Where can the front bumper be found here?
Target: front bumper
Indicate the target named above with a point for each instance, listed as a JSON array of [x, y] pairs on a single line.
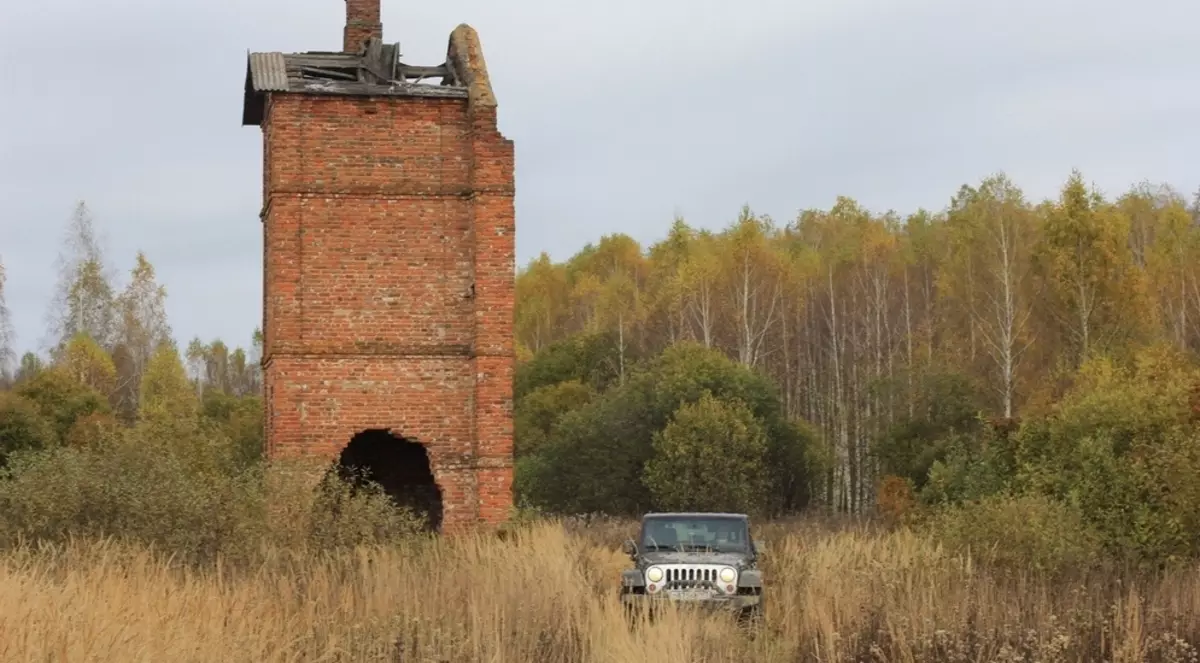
[[735, 602]]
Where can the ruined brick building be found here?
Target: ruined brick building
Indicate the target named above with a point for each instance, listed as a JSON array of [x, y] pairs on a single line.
[[388, 267]]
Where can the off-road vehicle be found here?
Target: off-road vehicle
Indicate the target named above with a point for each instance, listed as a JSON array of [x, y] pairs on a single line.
[[703, 559]]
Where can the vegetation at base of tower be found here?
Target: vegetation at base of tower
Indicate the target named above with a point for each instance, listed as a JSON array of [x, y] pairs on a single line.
[[117, 433]]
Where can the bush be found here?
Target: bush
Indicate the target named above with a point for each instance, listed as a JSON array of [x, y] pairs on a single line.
[[973, 466], [595, 459], [1122, 448], [22, 426], [945, 408], [1027, 533], [190, 494], [61, 399], [537, 414], [710, 457], [896, 498], [98, 428]]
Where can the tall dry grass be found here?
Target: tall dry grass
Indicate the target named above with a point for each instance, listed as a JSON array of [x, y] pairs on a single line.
[[547, 594]]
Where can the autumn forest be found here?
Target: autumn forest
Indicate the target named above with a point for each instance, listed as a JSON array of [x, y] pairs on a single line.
[[845, 361]]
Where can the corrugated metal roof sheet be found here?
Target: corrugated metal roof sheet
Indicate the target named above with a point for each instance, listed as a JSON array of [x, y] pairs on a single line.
[[338, 74], [268, 72]]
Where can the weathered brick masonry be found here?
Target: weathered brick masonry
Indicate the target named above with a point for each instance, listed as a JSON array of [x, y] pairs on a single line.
[[388, 229]]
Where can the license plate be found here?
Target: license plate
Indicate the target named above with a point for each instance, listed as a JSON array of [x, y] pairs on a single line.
[[691, 594]]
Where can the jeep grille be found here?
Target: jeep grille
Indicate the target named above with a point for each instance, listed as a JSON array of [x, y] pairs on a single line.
[[679, 576], [691, 575]]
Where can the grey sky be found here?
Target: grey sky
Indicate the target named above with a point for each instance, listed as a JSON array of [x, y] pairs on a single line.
[[623, 112]]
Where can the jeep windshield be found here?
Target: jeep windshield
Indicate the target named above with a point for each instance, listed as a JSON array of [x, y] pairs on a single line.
[[699, 533]]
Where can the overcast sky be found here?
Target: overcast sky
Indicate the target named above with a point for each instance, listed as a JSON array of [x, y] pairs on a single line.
[[623, 112]]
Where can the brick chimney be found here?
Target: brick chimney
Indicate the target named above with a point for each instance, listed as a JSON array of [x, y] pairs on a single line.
[[362, 23]]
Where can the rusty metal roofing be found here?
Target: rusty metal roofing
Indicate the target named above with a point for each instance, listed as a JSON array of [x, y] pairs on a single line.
[[377, 71]]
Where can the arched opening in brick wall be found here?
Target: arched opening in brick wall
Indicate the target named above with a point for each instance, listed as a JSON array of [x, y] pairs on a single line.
[[400, 466]]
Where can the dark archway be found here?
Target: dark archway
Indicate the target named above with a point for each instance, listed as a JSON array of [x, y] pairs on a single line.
[[400, 467]]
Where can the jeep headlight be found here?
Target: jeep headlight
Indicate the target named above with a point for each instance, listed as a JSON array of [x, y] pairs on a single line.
[[654, 574], [728, 575]]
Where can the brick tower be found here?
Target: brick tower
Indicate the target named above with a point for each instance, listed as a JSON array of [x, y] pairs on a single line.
[[388, 267]]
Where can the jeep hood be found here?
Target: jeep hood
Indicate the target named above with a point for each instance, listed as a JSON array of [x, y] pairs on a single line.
[[666, 557]]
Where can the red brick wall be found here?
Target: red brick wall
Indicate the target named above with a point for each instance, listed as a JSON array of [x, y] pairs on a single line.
[[380, 215]]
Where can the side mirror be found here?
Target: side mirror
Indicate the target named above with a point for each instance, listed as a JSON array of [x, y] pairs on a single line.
[[760, 547], [629, 547]]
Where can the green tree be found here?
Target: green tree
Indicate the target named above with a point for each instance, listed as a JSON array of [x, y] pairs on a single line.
[[537, 414], [240, 419], [710, 457], [62, 399], [31, 366], [124, 397], [596, 457], [946, 406], [22, 426], [582, 357]]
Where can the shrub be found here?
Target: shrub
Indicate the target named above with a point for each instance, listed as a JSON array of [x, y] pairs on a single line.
[[595, 459], [97, 428], [189, 493], [61, 399], [537, 414], [22, 426], [1121, 447], [710, 457], [896, 498], [1023, 533]]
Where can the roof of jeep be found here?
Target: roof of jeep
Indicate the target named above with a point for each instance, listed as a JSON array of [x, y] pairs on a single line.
[[695, 514]]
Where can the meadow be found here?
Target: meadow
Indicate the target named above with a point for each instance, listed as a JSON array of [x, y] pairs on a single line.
[[546, 592]]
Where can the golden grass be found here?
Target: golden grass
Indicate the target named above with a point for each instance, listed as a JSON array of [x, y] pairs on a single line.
[[547, 594]]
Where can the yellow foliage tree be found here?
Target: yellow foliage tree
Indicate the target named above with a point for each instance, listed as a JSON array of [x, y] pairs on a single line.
[[165, 390], [89, 364]]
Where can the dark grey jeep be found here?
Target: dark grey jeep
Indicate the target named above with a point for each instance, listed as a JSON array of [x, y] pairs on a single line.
[[703, 559]]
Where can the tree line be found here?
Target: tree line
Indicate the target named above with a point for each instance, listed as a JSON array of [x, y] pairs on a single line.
[[998, 351], [112, 358]]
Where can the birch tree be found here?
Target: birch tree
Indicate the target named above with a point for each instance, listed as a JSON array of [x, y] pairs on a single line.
[[753, 275], [8, 337], [994, 230], [699, 277], [1169, 257], [542, 290], [1086, 266], [83, 295], [666, 289], [141, 320]]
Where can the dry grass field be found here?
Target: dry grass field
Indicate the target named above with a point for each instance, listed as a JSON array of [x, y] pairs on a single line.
[[547, 594]]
